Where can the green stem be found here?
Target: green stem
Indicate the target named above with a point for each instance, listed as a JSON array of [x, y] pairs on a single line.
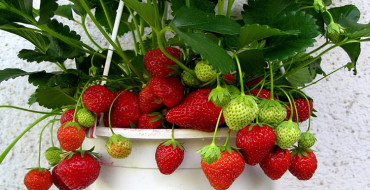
[[61, 66], [158, 20], [27, 110], [290, 102], [134, 39], [138, 31], [216, 128], [40, 138], [110, 110], [229, 6], [109, 19], [221, 7], [324, 77], [83, 24], [187, 3], [330, 16], [173, 132], [272, 82], [51, 134], [3, 155], [240, 75], [309, 108], [227, 138]]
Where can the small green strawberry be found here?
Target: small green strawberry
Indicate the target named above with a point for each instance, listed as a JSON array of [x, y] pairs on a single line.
[[219, 96], [118, 146], [335, 32], [190, 80], [204, 72], [85, 117], [307, 140], [53, 155], [287, 133], [240, 111], [271, 112]]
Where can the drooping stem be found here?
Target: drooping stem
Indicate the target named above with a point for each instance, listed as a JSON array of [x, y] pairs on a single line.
[[309, 108], [227, 138], [240, 75], [229, 6], [272, 81], [83, 19], [139, 34], [3, 155], [216, 128], [220, 7], [290, 102], [324, 77], [40, 138], [27, 110], [173, 132]]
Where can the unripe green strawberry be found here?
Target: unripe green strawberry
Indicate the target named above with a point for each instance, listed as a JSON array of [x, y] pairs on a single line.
[[240, 112], [334, 32], [307, 140], [271, 112], [85, 117], [204, 71], [287, 133], [118, 146], [219, 96], [53, 155], [190, 80]]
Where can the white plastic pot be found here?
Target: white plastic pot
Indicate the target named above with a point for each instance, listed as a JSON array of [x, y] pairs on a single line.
[[139, 170]]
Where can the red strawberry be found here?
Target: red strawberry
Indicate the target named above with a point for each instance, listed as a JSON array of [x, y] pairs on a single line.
[[229, 78], [79, 171], [38, 180], [169, 155], [196, 112], [303, 166], [302, 108], [264, 94], [224, 171], [57, 181], [125, 110], [149, 121], [67, 116], [276, 163], [70, 136], [255, 142], [98, 98], [157, 63], [254, 82], [168, 89], [148, 102]]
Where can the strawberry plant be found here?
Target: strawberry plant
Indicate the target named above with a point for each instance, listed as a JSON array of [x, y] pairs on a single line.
[[193, 65]]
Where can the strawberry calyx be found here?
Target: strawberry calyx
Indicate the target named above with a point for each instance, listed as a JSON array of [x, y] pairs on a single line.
[[174, 144], [114, 139], [300, 151], [247, 99], [210, 153], [38, 168], [219, 96], [159, 116], [72, 124], [69, 155], [266, 103]]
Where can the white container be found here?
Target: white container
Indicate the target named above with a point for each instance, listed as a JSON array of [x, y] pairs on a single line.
[[139, 170]]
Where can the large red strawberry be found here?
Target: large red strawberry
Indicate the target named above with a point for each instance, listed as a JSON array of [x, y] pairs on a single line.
[[67, 116], [158, 64], [57, 181], [276, 162], [224, 171], [97, 98], [148, 102], [38, 180], [70, 136], [168, 89], [169, 155], [302, 108], [79, 171], [196, 112], [125, 110], [150, 121], [303, 165], [255, 142]]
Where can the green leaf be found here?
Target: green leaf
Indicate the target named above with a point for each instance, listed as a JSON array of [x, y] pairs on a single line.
[[32, 99], [252, 62], [255, 32], [47, 8], [111, 7], [34, 55], [301, 77], [195, 19], [39, 78], [203, 5], [353, 50], [65, 11], [214, 54], [7, 17], [11, 73], [146, 11], [52, 97], [24, 6]]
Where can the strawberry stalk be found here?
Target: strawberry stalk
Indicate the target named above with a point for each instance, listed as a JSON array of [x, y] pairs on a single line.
[[290, 102], [272, 81], [229, 6], [220, 7], [40, 140], [27, 110], [242, 93]]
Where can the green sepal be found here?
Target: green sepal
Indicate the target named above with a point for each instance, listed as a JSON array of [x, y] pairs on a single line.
[[219, 96], [69, 155], [174, 144], [266, 103], [247, 99], [114, 139], [210, 153], [301, 152], [158, 117], [72, 124], [38, 168], [229, 149]]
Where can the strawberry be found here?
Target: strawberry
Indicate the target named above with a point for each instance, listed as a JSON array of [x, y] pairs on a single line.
[[67, 116], [53, 155], [78, 170], [118, 146], [302, 109], [168, 89], [97, 98], [158, 64], [150, 121], [57, 181], [169, 155], [271, 112], [204, 72], [195, 112], [224, 171], [303, 165], [125, 110], [148, 102], [190, 80], [229, 78], [85, 117], [307, 140], [287, 133], [254, 81], [240, 112], [276, 162], [220, 96], [262, 93], [70, 136], [38, 179], [255, 142]]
